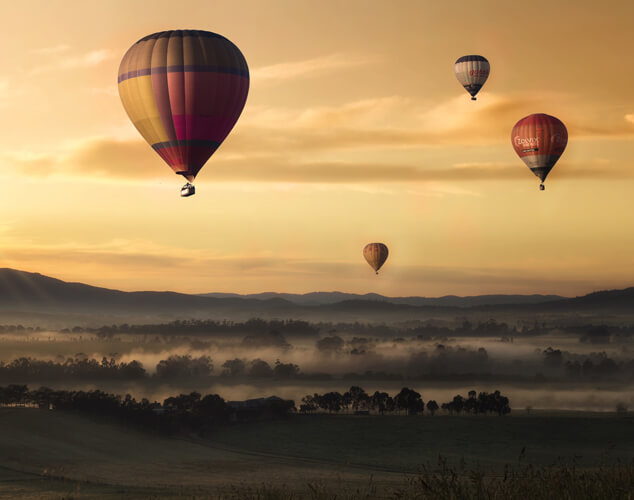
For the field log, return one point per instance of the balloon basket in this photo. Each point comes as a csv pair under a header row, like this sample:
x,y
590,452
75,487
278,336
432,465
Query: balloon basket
x,y
188,190
542,187
473,99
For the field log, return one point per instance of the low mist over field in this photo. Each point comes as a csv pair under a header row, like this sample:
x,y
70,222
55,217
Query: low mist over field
x,y
548,364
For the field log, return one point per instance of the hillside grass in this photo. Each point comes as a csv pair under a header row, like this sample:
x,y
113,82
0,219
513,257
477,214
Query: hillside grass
x,y
50,454
401,443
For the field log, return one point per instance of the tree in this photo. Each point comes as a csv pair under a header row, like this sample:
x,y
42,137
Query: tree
x,y
184,367
285,370
260,369
234,367
331,401
432,407
410,401
471,404
310,403
330,344
379,401
358,397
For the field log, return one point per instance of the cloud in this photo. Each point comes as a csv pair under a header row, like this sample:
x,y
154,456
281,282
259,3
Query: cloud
x,y
308,68
125,264
87,60
135,160
398,122
102,157
52,50
110,90
393,122
9,91
289,145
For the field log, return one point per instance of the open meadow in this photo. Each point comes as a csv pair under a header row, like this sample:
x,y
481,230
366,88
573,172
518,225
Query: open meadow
x,y
53,454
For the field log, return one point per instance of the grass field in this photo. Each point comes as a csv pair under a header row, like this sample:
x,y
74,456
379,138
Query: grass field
x,y
404,443
49,454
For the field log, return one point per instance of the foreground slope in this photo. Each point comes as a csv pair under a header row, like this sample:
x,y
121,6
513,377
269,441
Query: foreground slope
x,y
49,454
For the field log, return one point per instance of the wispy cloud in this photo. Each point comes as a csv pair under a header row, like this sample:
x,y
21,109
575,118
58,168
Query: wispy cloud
x,y
56,49
87,60
123,264
110,90
309,67
134,160
8,91
298,145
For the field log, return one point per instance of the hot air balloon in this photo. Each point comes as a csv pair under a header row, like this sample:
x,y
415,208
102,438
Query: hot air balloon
x,y
472,72
539,140
184,91
376,255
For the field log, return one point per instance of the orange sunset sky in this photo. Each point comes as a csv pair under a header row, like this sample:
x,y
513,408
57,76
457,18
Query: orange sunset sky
x,y
355,130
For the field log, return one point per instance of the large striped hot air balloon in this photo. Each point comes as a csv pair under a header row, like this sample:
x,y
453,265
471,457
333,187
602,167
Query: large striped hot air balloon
x,y
376,255
539,140
184,91
472,72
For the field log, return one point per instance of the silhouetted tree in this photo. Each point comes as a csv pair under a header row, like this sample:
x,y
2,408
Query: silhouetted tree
x,y
410,401
380,401
234,367
330,344
285,370
260,369
177,366
358,398
432,407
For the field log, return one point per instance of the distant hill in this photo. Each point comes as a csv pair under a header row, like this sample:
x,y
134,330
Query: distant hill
x,y
622,300
39,299
325,298
24,291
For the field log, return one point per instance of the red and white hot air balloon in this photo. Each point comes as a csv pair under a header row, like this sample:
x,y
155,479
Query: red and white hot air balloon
x,y
539,140
472,71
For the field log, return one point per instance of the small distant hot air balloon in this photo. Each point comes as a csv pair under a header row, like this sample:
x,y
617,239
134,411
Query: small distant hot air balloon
x,y
539,140
376,255
472,72
184,91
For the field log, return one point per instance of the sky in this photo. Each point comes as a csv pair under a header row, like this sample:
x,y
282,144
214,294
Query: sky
x,y
355,130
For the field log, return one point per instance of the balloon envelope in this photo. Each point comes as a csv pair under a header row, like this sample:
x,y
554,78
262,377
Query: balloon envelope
x,y
376,255
184,91
539,140
472,72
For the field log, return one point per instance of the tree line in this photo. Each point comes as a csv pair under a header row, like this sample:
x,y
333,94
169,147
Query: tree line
x,y
175,367
183,412
407,401
443,363
203,327
591,333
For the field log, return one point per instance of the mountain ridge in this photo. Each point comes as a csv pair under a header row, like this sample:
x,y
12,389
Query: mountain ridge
x,y
323,298
25,292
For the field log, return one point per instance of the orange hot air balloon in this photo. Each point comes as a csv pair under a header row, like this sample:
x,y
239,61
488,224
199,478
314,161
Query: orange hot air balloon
x,y
376,255
539,140
184,91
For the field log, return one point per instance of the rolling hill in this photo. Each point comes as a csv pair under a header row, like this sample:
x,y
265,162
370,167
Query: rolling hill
x,y
23,293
